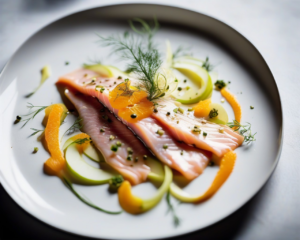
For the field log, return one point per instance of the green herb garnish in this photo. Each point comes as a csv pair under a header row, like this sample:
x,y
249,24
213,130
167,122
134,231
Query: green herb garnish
x,y
220,84
115,183
144,58
176,219
35,131
213,113
70,186
35,150
32,114
244,130
77,125
207,65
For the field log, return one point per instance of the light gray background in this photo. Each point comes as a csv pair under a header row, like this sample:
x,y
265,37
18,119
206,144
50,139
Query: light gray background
x,y
274,29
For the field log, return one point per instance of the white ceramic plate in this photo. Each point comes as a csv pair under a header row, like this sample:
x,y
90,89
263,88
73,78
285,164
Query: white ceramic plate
x,y
73,39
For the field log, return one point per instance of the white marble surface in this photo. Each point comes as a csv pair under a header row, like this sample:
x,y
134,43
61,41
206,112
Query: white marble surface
x,y
273,26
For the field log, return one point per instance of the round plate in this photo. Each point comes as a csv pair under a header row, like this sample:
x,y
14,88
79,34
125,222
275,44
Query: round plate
x,y
74,39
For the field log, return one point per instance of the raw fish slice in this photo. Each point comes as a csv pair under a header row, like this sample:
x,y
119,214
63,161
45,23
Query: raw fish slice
x,y
181,126
187,160
95,117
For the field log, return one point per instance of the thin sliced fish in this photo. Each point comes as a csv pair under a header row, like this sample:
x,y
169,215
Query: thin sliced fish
x,y
95,117
187,160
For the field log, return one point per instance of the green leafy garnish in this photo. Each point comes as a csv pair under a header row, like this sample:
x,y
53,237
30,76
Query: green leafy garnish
x,y
115,183
35,131
77,125
213,113
70,186
244,130
207,65
176,219
32,114
45,72
144,58
220,84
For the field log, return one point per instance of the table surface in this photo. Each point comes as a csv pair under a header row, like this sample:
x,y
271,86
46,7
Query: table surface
x,y
273,28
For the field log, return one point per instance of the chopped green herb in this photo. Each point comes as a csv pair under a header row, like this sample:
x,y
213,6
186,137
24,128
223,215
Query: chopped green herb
x,y
190,109
35,150
179,88
251,107
181,110
207,65
114,148
184,80
175,110
220,84
176,80
196,130
111,137
115,183
244,130
129,150
129,157
66,63
136,159
204,134
145,157
102,130
160,132
213,113
188,88
118,143
18,119
181,153
119,77
165,146
168,114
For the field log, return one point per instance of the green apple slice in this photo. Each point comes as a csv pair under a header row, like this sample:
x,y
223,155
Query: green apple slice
x,y
201,80
222,117
92,153
157,170
83,172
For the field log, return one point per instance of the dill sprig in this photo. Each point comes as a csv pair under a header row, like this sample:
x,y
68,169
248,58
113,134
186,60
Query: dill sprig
x,y
77,125
32,114
144,58
181,51
70,186
81,140
35,131
244,130
207,65
176,219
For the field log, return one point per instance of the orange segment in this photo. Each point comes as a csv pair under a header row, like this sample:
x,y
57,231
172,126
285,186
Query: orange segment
x,y
55,164
83,146
141,110
233,103
226,167
202,109
129,202
124,95
48,110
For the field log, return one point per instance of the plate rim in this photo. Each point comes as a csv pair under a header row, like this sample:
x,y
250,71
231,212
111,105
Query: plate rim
x,y
237,207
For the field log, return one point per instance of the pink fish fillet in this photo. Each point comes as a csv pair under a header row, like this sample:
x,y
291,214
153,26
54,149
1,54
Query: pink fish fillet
x,y
95,117
88,82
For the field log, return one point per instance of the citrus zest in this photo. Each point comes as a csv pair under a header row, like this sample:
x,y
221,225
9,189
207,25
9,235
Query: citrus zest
x,y
56,163
202,109
233,103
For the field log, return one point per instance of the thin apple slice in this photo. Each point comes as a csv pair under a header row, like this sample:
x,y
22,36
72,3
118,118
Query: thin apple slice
x,y
106,70
202,83
83,172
